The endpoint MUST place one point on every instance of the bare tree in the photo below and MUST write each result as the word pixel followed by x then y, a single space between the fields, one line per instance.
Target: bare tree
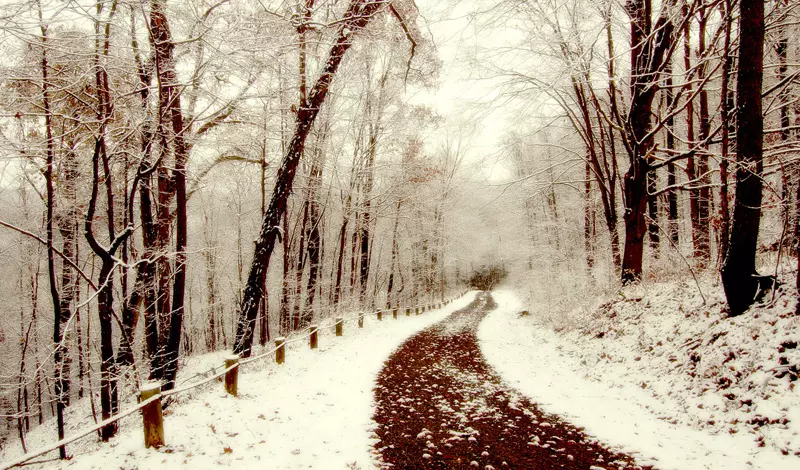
pixel 739 276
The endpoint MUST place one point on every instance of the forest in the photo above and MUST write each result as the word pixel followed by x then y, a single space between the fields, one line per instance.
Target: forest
pixel 187 177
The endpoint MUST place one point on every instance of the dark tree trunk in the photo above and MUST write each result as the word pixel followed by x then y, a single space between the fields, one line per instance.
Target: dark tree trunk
pixel 146 276
pixel 358 14
pixel 587 217
pixel 648 59
pixel 263 306
pixel 142 293
pixel 672 194
pixel 610 201
pixel 703 178
pixel 390 296
pixel 105 301
pixel 652 213
pixel 105 296
pixel 299 269
pixel 691 170
pixel 284 315
pixel 725 106
pixel 60 352
pixel 337 289
pixel 314 235
pixel 739 276
pixel 366 223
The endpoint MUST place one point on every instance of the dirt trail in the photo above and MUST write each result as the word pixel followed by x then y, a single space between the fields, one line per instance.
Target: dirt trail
pixel 440 405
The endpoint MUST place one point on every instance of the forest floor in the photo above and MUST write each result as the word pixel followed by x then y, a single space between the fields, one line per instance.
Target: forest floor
pixel 440 406
pixel 659 372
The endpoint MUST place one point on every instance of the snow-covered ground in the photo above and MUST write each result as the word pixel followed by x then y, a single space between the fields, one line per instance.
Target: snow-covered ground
pixel 657 374
pixel 314 411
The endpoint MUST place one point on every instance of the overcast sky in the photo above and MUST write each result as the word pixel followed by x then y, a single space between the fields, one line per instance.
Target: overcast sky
pixel 469 103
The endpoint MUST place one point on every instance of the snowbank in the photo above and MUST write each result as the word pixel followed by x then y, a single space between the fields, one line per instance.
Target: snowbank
pixel 624 385
pixel 315 411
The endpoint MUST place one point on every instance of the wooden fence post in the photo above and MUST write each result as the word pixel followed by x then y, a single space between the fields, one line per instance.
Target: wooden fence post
pixel 394 313
pixel 280 353
pixel 408 311
pixel 380 315
pixel 313 340
pixel 339 326
pixel 152 417
pixel 361 320
pixel 232 376
pixel 416 310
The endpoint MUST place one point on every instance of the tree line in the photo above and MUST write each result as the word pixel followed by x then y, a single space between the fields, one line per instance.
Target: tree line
pixel 670 125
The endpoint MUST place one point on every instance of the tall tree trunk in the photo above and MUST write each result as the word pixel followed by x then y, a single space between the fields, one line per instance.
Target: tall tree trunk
pixel 170 124
pixel 652 213
pixel 610 201
pixel 105 300
pixel 142 294
pixel 390 295
pixel 739 276
pixel 672 194
pixel 285 318
pixel 337 289
pixel 648 59
pixel 78 319
pixel 105 296
pixel 314 235
pixel 60 352
pixel 365 224
pixel 358 14
pixel 587 217
pixel 725 106
pixel 263 308
pixel 703 178
pixel 691 170
pixel 299 268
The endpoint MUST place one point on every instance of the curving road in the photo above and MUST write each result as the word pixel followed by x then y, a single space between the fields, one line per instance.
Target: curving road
pixel 440 405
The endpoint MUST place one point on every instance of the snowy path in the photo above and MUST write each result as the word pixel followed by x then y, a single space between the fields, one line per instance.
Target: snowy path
pixel 439 405
pixel 618 412
pixel 313 412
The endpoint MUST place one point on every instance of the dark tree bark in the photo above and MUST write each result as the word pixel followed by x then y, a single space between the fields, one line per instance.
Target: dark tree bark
pixel 587 217
pixel 263 307
pixel 739 277
pixel 285 316
pixel 171 186
pixel 652 213
pixel 314 230
pixel 703 178
pixel 142 292
pixel 337 289
pixel 60 351
pixel 725 106
pixel 390 294
pixel 691 169
pixel 299 268
pixel 358 14
pixel 672 195
pixel 610 202
pixel 105 295
pixel 649 55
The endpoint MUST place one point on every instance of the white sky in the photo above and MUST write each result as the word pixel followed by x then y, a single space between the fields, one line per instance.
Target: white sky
pixel 463 98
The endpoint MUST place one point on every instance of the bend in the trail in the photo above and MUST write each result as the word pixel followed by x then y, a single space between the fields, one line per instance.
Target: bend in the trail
pixel 440 405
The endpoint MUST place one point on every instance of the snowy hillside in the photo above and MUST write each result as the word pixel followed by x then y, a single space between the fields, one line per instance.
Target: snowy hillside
pixel 658 373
